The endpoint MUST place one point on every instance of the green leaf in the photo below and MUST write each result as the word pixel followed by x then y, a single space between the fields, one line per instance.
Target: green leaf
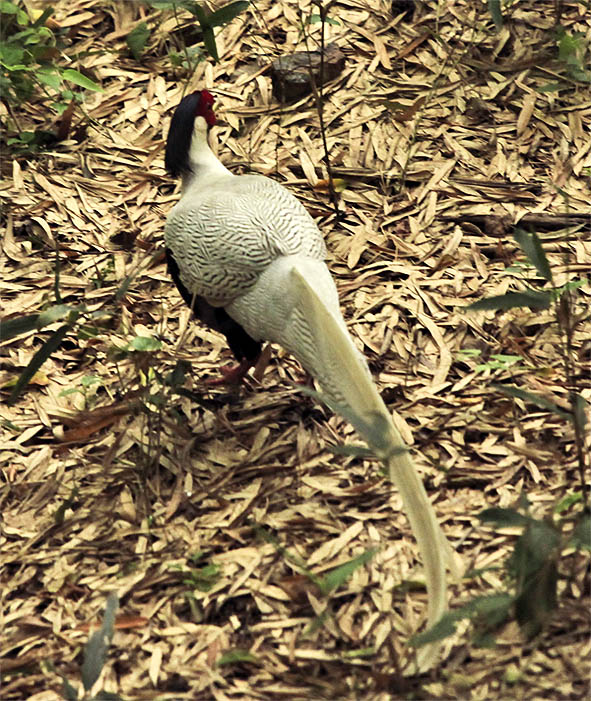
pixel 81 80
pixel 577 73
pixel 45 352
pixel 90 380
pixel 236 656
pixel 15 327
pixel 177 376
pixel 43 17
pixel 137 39
pixel 226 13
pixel 567 46
pixel 145 343
pixel 175 58
pixel 317 19
pixel 503 517
pixel 85 332
pixel 203 578
pixel 494 7
pixel 50 78
pixel 12 56
pixel 533 549
pixel 580 412
pixel 538 599
pixel 95 651
pixel 209 43
pixel 469 352
pixel 551 87
pixel 59 311
pixel 499 361
pixel 484 639
pixel 59 514
pixel 31 322
pixel 356 451
pixel 335 578
pixel 8 8
pixel 361 652
pixel 164 4
pixel 493 608
pixel 570 286
pixel 24 138
pixel 70 693
pixel 566 502
pixel 528 298
pixel 530 244
pixel 202 18
pixel 540 402
pixel 317 623
pixel 581 537
pixel 68 392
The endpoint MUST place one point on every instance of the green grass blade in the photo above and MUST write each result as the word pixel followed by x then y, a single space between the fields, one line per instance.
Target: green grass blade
pixel 45 352
pixel 227 13
pixel 335 578
pixel 527 298
pixel 532 247
pixel 81 80
pixel 540 402
pixel 494 7
pixel 95 651
pixel 15 327
pixel 137 39
pixel 503 518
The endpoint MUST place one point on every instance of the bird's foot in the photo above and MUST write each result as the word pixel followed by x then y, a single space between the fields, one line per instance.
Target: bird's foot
pixel 231 374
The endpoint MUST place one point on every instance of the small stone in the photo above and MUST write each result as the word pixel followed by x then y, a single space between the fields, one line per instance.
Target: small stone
pixel 290 73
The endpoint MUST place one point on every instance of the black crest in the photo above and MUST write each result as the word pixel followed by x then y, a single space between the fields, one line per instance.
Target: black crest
pixel 180 134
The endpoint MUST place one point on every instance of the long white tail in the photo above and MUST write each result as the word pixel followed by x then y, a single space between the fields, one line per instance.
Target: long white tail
pixel 344 376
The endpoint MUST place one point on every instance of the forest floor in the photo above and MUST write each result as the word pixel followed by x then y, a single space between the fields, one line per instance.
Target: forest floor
pixel 215 515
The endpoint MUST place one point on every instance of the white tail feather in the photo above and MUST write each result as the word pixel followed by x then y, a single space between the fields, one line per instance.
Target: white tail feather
pixel 350 379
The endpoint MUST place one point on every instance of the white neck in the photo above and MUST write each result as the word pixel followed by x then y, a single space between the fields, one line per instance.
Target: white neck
pixel 204 163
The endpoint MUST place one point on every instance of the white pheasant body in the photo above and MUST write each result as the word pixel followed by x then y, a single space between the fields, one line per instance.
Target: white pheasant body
pixel 226 230
pixel 246 244
pixel 237 240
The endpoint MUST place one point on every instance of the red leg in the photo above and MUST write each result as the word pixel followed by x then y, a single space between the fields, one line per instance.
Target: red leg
pixel 231 374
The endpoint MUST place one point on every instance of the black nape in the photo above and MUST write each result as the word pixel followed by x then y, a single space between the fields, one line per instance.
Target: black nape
pixel 180 133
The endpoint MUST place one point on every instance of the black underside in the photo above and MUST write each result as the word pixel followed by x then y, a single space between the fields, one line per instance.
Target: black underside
pixel 241 344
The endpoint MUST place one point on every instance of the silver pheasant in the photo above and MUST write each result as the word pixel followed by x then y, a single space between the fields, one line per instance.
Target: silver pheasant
pixel 250 260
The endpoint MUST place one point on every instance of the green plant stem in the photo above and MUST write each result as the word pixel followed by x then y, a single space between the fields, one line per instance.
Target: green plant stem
pixel 56 279
pixel 564 315
pixel 319 98
pixel 186 52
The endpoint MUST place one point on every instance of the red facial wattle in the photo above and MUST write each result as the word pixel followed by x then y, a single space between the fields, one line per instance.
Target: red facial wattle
pixel 204 108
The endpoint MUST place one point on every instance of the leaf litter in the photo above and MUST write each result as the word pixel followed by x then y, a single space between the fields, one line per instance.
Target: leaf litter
pixel 443 146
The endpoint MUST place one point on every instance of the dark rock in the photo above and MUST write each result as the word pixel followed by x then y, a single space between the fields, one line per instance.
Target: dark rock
pixel 291 73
